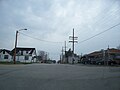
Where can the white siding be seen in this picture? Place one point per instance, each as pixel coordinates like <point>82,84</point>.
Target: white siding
<point>2,57</point>
<point>34,54</point>
<point>70,60</point>
<point>22,58</point>
<point>24,52</point>
<point>25,56</point>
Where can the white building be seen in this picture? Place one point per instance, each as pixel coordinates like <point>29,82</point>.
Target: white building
<point>5,55</point>
<point>70,57</point>
<point>25,54</point>
<point>73,59</point>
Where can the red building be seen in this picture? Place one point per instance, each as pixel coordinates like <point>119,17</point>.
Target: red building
<point>109,56</point>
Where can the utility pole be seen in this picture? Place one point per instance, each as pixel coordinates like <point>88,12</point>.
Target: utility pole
<point>65,46</point>
<point>15,47</point>
<point>103,55</point>
<point>60,58</point>
<point>73,38</point>
<point>16,38</point>
<point>108,55</point>
<point>65,53</point>
<point>62,55</point>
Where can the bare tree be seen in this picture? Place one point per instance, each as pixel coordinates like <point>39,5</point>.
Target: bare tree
<point>42,55</point>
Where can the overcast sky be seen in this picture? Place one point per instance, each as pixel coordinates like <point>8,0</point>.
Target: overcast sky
<point>54,20</point>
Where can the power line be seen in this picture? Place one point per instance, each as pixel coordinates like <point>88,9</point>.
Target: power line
<point>107,12</point>
<point>99,33</point>
<point>79,42</point>
<point>39,39</point>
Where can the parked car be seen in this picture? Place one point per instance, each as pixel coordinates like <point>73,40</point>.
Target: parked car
<point>111,62</point>
<point>100,62</point>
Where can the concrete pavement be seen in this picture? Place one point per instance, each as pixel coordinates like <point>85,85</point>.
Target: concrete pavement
<point>58,77</point>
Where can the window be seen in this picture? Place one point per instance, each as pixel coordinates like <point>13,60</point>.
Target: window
<point>4,52</point>
<point>26,57</point>
<point>21,52</point>
<point>6,56</point>
<point>26,52</point>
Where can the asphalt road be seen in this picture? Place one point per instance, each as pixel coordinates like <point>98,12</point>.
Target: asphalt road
<point>58,77</point>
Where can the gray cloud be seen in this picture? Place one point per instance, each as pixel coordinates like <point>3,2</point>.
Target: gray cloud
<point>53,20</point>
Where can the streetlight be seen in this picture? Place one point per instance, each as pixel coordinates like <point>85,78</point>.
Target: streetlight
<point>14,58</point>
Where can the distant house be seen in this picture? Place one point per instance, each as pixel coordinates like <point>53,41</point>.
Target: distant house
<point>114,54</point>
<point>25,54</point>
<point>70,58</point>
<point>107,56</point>
<point>5,55</point>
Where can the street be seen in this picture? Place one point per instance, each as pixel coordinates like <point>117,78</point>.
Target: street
<point>59,77</point>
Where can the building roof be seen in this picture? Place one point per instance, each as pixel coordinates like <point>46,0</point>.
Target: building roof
<point>95,53</point>
<point>5,50</point>
<point>113,50</point>
<point>23,49</point>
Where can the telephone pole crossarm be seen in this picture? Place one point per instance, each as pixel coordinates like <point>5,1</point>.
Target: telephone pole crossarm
<point>73,40</point>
